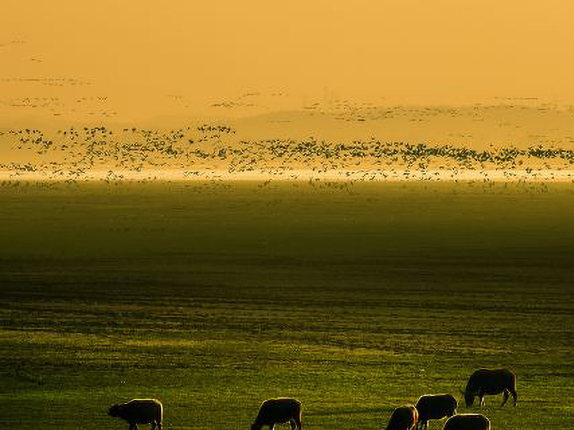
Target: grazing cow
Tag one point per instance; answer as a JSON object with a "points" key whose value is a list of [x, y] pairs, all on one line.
{"points": [[278, 411], [490, 381], [435, 407], [403, 418], [467, 422], [139, 411]]}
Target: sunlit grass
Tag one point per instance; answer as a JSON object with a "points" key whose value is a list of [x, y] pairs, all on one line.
{"points": [[214, 300]]}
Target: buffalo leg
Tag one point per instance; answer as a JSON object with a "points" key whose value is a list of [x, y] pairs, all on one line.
{"points": [[296, 423], [504, 398], [514, 396], [481, 398]]}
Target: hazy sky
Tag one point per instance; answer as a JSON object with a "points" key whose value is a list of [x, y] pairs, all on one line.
{"points": [[150, 56]]}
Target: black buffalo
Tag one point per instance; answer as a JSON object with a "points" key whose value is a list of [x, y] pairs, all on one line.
{"points": [[139, 411], [491, 382], [435, 407], [467, 422], [277, 411], [403, 418]]}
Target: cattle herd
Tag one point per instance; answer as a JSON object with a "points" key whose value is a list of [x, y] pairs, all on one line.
{"points": [[429, 407]]}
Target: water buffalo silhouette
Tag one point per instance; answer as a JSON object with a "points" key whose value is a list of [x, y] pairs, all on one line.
{"points": [[435, 407], [467, 422], [403, 418], [139, 411], [491, 382], [277, 411]]}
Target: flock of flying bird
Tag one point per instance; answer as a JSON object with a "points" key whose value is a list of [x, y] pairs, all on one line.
{"points": [[214, 152]]}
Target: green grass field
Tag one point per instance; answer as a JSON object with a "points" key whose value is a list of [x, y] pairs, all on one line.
{"points": [[215, 296]]}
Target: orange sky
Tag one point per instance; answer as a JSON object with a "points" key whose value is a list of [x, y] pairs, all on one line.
{"points": [[144, 58]]}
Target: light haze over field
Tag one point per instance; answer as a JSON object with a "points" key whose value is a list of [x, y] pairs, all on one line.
{"points": [[133, 60], [351, 203]]}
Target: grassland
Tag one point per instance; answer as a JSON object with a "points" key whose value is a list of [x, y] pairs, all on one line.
{"points": [[215, 296]]}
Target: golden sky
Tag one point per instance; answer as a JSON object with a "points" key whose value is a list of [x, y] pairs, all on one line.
{"points": [[145, 58]]}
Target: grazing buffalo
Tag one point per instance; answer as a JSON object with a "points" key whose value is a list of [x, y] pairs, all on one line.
{"points": [[490, 381], [404, 418], [467, 422], [277, 411], [435, 407], [139, 411]]}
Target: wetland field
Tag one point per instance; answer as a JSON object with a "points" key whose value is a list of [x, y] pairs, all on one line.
{"points": [[212, 296]]}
